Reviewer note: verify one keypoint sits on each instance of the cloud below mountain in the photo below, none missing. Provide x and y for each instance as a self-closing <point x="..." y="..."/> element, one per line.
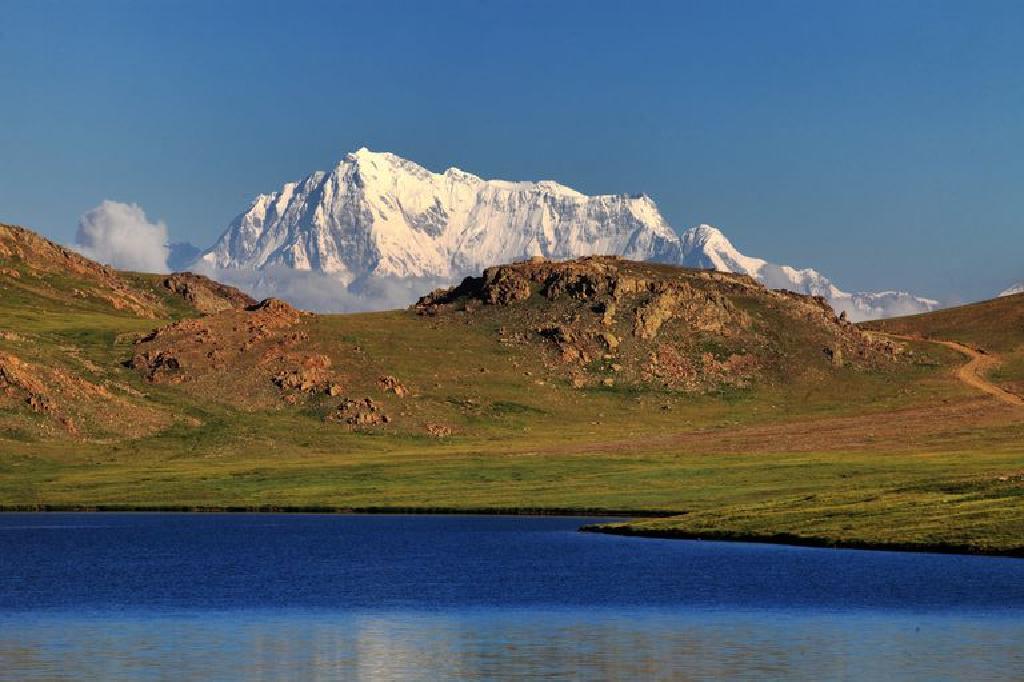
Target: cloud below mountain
<point x="322" y="292"/>
<point x="121" y="235"/>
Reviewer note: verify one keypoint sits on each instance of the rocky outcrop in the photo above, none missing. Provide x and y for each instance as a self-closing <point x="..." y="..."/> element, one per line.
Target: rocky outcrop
<point x="274" y="312"/>
<point x="74" y="405"/>
<point x="656" y="312"/>
<point x="358" y="413"/>
<point x="206" y="295"/>
<point x="310" y="375"/>
<point x="641" y="322"/>
<point x="390" y="384"/>
<point x="438" y="430"/>
<point x="503" y="286"/>
<point x="20" y="380"/>
<point x="676" y="370"/>
<point x="507" y="284"/>
<point x="158" y="366"/>
<point x="248" y="357"/>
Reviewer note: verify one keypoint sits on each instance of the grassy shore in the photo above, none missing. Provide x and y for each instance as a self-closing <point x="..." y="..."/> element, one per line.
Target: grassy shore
<point x="957" y="487"/>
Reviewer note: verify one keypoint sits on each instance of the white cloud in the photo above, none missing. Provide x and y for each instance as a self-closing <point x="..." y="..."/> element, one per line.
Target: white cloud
<point x="120" y="235"/>
<point x="322" y="293"/>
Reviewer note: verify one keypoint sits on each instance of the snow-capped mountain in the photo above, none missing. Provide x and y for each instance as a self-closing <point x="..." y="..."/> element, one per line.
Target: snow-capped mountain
<point x="355" y="237"/>
<point x="1015" y="289"/>
<point x="378" y="214"/>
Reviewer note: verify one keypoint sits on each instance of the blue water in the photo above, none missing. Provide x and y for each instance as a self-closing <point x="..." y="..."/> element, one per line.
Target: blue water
<point x="238" y="596"/>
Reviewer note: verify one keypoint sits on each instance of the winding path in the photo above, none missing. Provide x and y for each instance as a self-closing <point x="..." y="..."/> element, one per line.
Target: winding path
<point x="973" y="372"/>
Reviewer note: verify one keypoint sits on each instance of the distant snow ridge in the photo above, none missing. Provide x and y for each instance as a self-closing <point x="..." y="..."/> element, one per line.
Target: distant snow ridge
<point x="357" y="236"/>
<point x="1015" y="289"/>
<point x="706" y="247"/>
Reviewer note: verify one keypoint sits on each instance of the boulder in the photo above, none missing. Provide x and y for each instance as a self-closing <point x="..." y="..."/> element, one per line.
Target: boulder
<point x="358" y="413"/>
<point x="390" y="384"/>
<point x="438" y="430"/>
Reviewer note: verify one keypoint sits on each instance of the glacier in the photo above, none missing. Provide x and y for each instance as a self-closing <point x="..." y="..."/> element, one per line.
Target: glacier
<point x="367" y="233"/>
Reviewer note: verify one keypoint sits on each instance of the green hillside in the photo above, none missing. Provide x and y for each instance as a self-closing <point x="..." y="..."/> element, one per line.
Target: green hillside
<point x="592" y="384"/>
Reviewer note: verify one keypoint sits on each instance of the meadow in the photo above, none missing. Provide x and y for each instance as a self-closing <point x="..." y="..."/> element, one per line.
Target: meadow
<point x="917" y="460"/>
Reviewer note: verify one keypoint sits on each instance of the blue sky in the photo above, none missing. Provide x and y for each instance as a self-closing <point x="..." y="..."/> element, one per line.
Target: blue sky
<point x="879" y="142"/>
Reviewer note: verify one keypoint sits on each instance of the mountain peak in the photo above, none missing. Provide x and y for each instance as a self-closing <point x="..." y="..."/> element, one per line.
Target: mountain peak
<point x="380" y="216"/>
<point x="705" y="233"/>
<point x="366" y="157"/>
<point x="366" y="153"/>
<point x="709" y="230"/>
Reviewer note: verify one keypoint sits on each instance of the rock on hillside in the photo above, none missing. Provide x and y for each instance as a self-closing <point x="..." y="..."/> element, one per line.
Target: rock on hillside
<point x="56" y="400"/>
<point x="252" y="357"/>
<point x="606" y="321"/>
<point x="206" y="295"/>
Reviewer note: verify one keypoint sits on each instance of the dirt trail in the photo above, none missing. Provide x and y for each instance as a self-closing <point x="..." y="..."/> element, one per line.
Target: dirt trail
<point x="973" y="373"/>
<point x="905" y="427"/>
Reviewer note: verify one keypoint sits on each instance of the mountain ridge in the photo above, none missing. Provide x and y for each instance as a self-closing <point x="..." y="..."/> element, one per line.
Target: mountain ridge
<point x="376" y="213"/>
<point x="378" y="216"/>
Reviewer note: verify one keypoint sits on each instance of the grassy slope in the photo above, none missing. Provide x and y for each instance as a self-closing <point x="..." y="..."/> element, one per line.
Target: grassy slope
<point x="553" y="447"/>
<point x="996" y="326"/>
<point x="857" y="459"/>
<point x="58" y="324"/>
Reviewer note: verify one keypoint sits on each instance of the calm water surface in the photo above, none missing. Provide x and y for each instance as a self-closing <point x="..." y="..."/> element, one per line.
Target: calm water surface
<point x="188" y="596"/>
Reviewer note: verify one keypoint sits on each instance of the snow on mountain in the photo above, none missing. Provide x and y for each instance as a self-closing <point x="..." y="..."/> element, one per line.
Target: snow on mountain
<point x="707" y="247"/>
<point x="378" y="214"/>
<point x="376" y="226"/>
<point x="1015" y="289"/>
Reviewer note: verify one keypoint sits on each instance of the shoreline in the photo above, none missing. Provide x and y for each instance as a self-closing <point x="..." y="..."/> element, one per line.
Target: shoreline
<point x="328" y="509"/>
<point x="785" y="539"/>
<point x="791" y="540"/>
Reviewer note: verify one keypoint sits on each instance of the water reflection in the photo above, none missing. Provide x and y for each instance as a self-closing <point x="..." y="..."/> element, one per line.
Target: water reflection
<point x="503" y="643"/>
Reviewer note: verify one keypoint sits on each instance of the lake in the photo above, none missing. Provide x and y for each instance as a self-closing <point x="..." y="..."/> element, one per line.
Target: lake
<point x="280" y="596"/>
